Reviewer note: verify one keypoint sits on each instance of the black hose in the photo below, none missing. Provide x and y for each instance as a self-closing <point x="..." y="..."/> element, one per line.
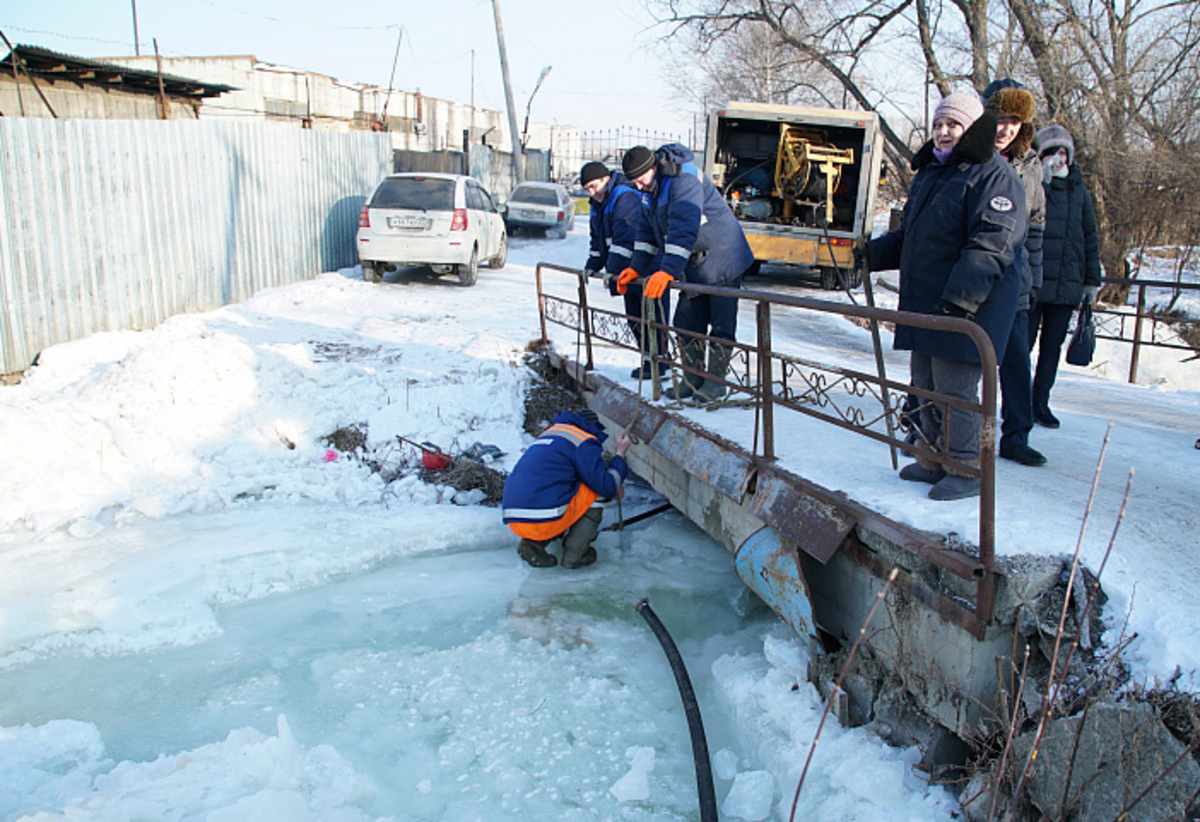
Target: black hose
<point x="704" y="779"/>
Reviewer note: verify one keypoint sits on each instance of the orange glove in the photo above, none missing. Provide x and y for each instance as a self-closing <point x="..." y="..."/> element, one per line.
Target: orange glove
<point x="657" y="284"/>
<point x="624" y="279"/>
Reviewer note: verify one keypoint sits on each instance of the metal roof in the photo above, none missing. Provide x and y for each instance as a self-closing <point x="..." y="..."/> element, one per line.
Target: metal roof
<point x="45" y="64"/>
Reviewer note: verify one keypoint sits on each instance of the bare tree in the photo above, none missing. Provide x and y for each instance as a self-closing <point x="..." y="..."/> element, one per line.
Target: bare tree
<point x="1122" y="75"/>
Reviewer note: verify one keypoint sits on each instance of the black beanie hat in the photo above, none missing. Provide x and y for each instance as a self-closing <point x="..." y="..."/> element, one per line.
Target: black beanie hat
<point x="637" y="161"/>
<point x="592" y="171"/>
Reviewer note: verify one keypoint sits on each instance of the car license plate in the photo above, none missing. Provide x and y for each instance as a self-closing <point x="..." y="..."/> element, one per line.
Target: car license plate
<point x="408" y="222"/>
<point x="535" y="215"/>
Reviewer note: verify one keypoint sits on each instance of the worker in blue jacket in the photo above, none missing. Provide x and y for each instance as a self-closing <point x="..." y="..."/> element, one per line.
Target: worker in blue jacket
<point x="554" y="488"/>
<point x="690" y="225"/>
<point x="616" y="213"/>
<point x="963" y="225"/>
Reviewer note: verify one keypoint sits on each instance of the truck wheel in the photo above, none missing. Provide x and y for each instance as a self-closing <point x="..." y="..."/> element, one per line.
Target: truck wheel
<point x="468" y="274"/>
<point x="829" y="279"/>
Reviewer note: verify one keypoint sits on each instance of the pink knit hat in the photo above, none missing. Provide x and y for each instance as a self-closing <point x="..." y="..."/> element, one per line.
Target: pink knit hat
<point x="961" y="107"/>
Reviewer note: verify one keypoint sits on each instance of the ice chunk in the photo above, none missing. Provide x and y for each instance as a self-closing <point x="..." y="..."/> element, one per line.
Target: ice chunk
<point x="635" y="785"/>
<point x="751" y="796"/>
<point x="725" y="764"/>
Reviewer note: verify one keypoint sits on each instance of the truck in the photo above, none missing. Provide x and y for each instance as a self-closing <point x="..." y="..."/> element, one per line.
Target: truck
<point x="801" y="181"/>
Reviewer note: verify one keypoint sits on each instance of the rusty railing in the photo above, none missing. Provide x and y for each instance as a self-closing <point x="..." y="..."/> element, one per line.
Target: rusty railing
<point x="1108" y="316"/>
<point x="770" y="380"/>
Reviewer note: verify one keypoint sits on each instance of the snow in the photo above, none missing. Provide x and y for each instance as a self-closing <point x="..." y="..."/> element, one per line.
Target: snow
<point x="206" y="615"/>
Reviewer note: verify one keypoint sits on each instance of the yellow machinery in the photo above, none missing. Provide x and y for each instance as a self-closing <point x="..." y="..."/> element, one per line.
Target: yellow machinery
<point x="806" y="172"/>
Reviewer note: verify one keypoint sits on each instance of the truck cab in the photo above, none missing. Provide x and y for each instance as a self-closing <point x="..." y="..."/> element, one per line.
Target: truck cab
<point x="801" y="181"/>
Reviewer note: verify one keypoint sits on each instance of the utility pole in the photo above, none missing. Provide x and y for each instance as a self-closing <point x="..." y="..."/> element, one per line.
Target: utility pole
<point x="137" y="49"/>
<point x="518" y="151"/>
<point x="391" y="82"/>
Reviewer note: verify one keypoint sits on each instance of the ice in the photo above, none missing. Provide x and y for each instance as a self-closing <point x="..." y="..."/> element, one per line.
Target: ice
<point x="750" y="797"/>
<point x="205" y="618"/>
<point x="634" y="786"/>
<point x="725" y="764"/>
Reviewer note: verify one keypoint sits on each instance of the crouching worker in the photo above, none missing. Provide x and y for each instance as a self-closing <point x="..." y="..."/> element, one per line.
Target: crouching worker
<point x="556" y="487"/>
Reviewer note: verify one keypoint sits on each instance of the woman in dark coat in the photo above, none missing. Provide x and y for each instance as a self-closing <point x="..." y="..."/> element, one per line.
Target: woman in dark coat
<point x="963" y="222"/>
<point x="1071" y="262"/>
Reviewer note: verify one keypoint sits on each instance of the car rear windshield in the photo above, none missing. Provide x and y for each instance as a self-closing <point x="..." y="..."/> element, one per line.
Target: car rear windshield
<point x="537" y="196"/>
<point x="418" y="193"/>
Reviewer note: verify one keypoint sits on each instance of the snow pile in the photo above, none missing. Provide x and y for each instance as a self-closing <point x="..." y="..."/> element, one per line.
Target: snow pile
<point x="777" y="722"/>
<point x="248" y="776"/>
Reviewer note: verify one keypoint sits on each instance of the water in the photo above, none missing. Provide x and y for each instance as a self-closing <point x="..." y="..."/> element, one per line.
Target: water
<point x="462" y="685"/>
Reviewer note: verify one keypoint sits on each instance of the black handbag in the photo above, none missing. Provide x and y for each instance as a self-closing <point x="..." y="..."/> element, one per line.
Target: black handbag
<point x="1083" y="339"/>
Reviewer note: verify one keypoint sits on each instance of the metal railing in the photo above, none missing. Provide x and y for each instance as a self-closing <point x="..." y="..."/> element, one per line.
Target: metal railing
<point x="1108" y="316"/>
<point x="770" y="380"/>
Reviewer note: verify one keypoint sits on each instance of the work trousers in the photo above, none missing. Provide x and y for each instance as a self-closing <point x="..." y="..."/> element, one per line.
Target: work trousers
<point x="705" y="314"/>
<point x="1053" y="320"/>
<point x="579" y="537"/>
<point x="1016" y="385"/>
<point x="958" y="437"/>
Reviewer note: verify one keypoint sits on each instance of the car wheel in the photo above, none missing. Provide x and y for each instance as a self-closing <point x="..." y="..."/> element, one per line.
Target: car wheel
<point x="502" y="255"/>
<point x="468" y="274"/>
<point x="372" y="272"/>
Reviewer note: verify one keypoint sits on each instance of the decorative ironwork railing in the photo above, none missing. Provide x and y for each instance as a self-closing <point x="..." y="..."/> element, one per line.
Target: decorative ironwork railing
<point x="868" y="404"/>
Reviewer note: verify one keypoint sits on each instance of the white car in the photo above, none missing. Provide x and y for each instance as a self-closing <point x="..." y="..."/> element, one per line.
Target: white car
<point x="445" y="221"/>
<point x="542" y="207"/>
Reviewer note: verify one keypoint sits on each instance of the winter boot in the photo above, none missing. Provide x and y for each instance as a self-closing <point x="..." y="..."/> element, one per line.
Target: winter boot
<point x="577" y="544"/>
<point x="692" y="355"/>
<point x="1043" y="417"/>
<point x="644" y="372"/>
<point x="713" y="388"/>
<point x="916" y="472"/>
<point x="951" y="487"/>
<point x="535" y="554"/>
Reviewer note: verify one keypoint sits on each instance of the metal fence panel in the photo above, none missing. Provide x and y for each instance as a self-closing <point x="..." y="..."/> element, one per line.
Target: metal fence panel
<point x="108" y="225"/>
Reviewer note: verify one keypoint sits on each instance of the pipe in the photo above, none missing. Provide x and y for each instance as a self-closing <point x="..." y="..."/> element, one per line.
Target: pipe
<point x="771" y="569"/>
<point x="704" y="779"/>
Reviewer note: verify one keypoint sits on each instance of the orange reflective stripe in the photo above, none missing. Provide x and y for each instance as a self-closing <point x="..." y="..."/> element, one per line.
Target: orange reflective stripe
<point x="576" y="508"/>
<point x="572" y="432"/>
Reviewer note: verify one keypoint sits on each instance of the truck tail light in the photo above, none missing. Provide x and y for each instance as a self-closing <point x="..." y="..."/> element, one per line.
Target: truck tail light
<point x="364" y="217"/>
<point x="840" y="241"/>
<point x="459" y="223"/>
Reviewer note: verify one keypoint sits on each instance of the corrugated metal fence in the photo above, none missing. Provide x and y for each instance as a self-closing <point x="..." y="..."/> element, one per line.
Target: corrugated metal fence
<point x="117" y="224"/>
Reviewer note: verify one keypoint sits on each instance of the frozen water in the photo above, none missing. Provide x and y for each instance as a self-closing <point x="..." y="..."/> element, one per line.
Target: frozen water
<point x="634" y="786"/>
<point x="450" y="685"/>
<point x="751" y="796"/>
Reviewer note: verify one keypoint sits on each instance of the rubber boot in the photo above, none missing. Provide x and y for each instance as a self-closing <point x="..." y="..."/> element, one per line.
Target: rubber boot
<point x="713" y="388"/>
<point x="577" y="544"/>
<point x="535" y="554"/>
<point x="692" y="355"/>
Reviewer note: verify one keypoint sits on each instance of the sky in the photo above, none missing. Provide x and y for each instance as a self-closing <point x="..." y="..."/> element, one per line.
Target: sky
<point x="605" y="72"/>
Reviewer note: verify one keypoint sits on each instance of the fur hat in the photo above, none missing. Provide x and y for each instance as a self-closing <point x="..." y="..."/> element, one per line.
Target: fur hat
<point x="637" y="161"/>
<point x="1052" y="137"/>
<point x="593" y="171"/>
<point x="961" y="107"/>
<point x="1008" y="98"/>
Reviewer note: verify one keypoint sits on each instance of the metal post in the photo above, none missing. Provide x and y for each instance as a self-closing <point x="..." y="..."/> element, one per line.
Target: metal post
<point x="763" y="312"/>
<point x="1137" y="333"/>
